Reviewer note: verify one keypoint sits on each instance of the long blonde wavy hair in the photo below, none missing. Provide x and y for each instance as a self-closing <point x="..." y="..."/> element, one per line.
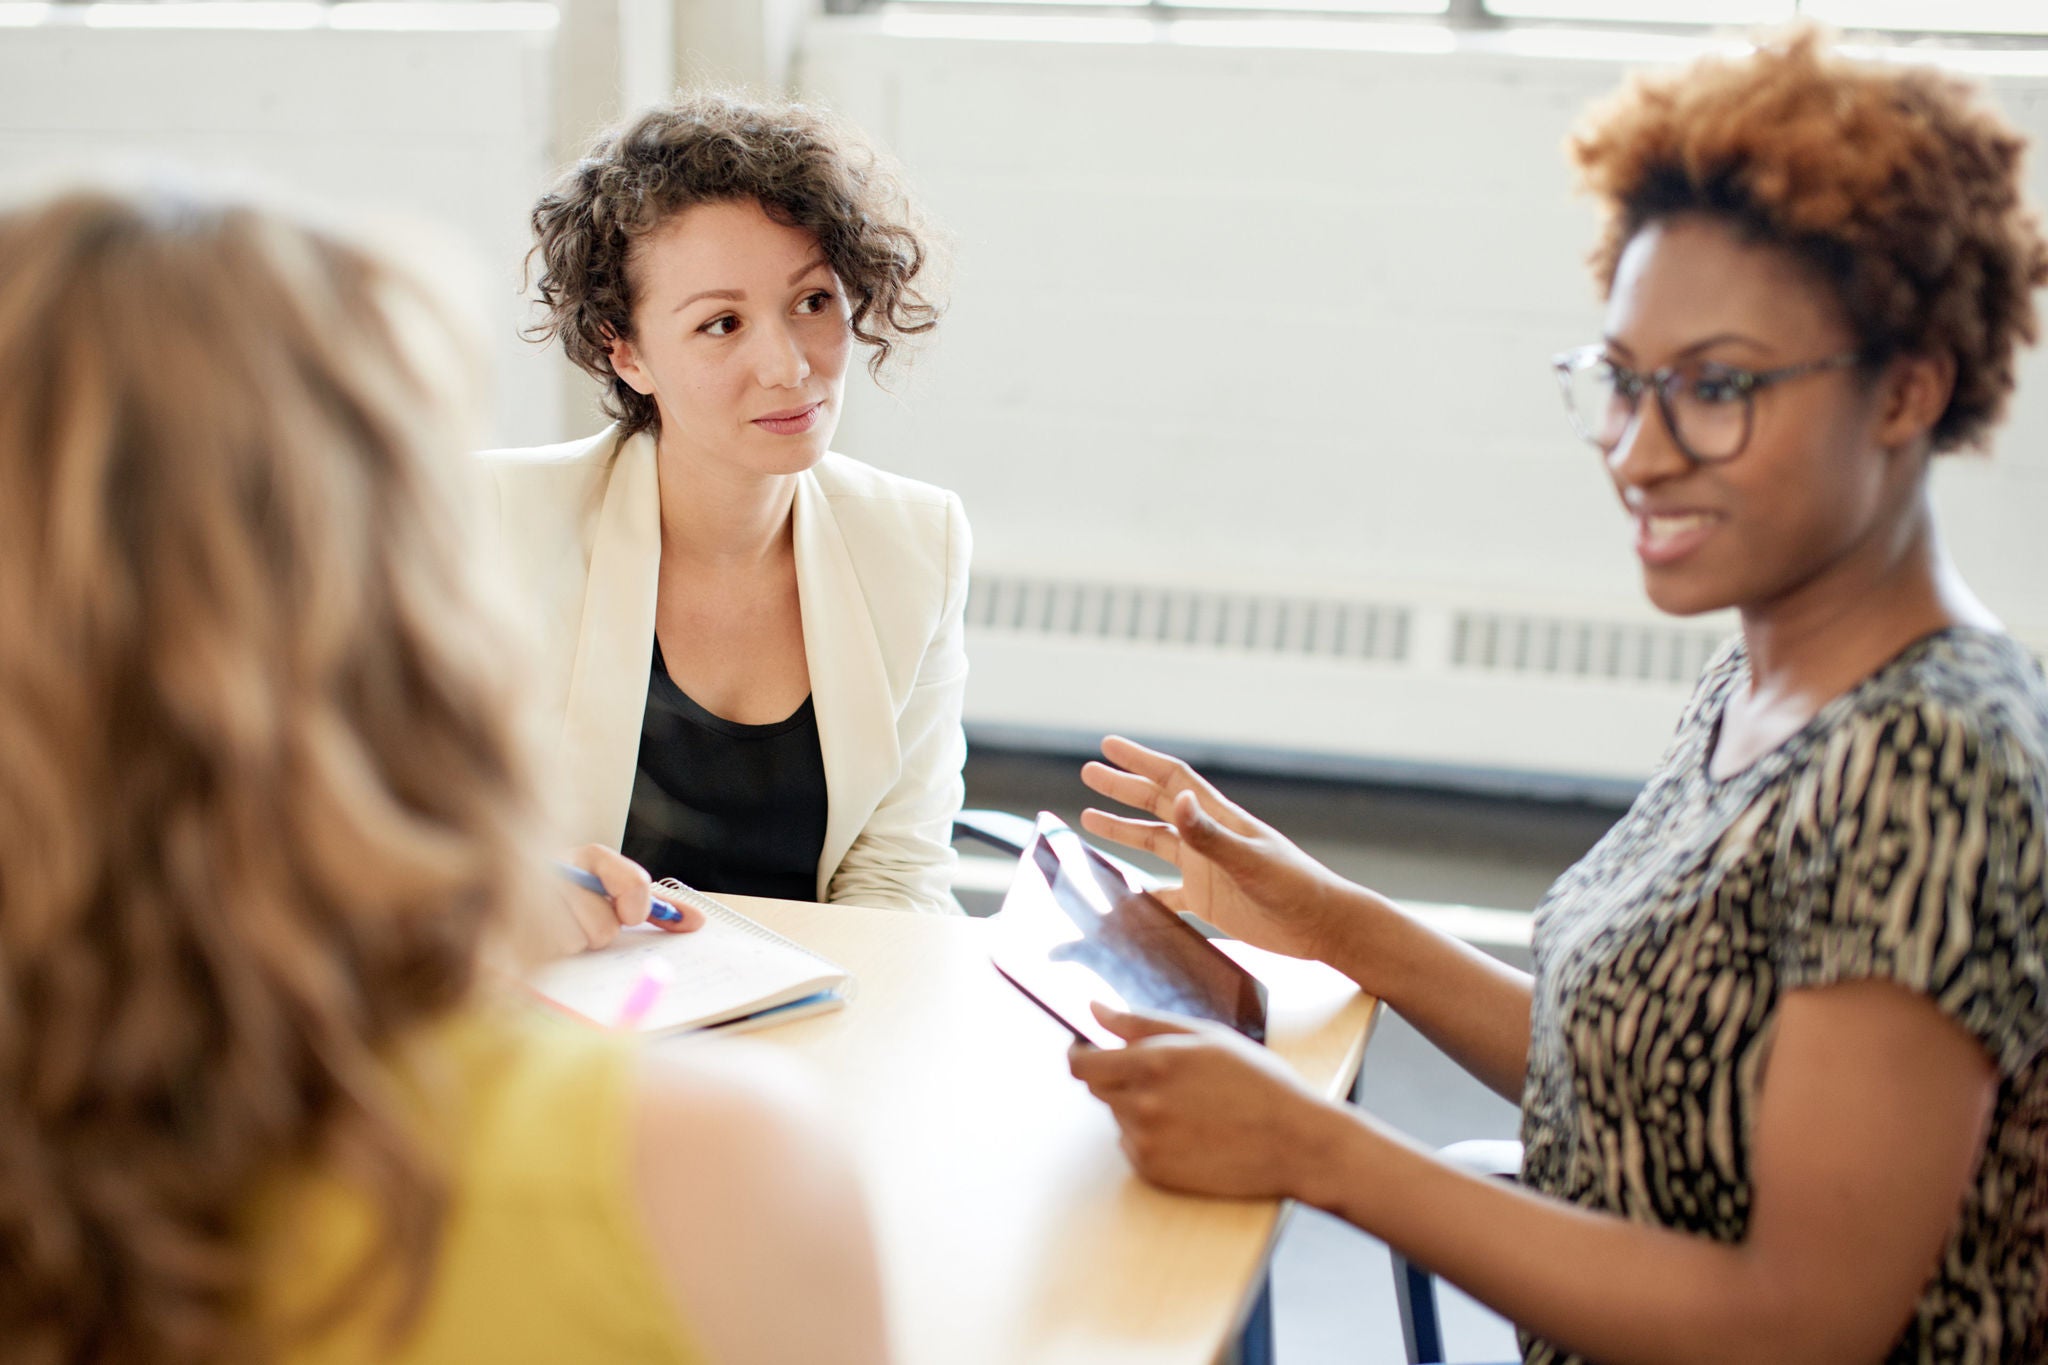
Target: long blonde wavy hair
<point x="263" y="785"/>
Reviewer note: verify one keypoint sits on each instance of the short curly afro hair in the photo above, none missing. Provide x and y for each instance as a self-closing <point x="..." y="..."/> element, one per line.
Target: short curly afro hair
<point x="803" y="167"/>
<point x="1897" y="183"/>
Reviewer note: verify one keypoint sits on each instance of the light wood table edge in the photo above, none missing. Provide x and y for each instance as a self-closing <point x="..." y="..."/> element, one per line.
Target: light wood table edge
<point x="869" y="940"/>
<point x="1339" y="1090"/>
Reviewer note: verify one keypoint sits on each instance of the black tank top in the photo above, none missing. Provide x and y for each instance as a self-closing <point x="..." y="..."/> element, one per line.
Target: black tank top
<point x="723" y="806"/>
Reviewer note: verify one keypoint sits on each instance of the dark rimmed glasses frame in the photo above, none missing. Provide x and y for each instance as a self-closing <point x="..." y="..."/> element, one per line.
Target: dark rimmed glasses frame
<point x="1709" y="408"/>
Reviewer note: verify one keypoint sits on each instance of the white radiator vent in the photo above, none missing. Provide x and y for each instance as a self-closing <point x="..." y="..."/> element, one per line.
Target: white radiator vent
<point x="1321" y="627"/>
<point x="1440" y="689"/>
<point x="1615" y="651"/>
<point x="1336" y="628"/>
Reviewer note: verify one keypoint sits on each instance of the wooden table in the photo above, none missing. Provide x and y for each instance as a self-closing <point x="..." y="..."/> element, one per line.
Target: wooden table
<point x="1010" y="1226"/>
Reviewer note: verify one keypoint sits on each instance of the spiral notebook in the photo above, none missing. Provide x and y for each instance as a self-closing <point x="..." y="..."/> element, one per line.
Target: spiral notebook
<point x="732" y="974"/>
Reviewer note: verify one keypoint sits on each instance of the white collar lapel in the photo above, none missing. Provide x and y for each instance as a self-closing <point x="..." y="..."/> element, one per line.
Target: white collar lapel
<point x="614" y="647"/>
<point x="849" y="684"/>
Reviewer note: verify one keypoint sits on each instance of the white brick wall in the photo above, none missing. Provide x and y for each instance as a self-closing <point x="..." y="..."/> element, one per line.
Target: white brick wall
<point x="1280" y="318"/>
<point x="448" y="129"/>
<point x="1270" y="315"/>
<point x="1284" y="316"/>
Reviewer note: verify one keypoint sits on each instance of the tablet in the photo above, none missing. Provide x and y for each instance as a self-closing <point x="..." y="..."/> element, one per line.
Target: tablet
<point x="1073" y="929"/>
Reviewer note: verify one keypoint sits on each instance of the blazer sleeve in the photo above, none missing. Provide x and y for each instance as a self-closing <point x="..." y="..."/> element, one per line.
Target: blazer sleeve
<point x="903" y="857"/>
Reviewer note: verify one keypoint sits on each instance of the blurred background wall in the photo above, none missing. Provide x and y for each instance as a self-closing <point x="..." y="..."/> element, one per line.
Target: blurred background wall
<point x="1246" y="378"/>
<point x="1245" y="383"/>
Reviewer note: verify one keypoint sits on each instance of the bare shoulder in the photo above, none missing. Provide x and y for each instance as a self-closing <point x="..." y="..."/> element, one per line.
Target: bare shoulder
<point x="753" y="1207"/>
<point x="741" y="1100"/>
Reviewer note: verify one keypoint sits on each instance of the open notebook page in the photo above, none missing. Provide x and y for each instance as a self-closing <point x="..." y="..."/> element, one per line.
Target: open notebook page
<point x="729" y="968"/>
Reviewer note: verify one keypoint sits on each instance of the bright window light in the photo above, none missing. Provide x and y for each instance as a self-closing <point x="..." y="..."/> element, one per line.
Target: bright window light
<point x="411" y="15"/>
<point x="270" y="14"/>
<point x="1336" y="6"/>
<point x="1637" y="46"/>
<point x="1320" y="35"/>
<point x="424" y="15"/>
<point x="1939" y="16"/>
<point x="1990" y="17"/>
<point x="1649" y="11"/>
<point x="1983" y="62"/>
<point x="1108" y="5"/>
<point x="1350" y="6"/>
<point x="1025" y="28"/>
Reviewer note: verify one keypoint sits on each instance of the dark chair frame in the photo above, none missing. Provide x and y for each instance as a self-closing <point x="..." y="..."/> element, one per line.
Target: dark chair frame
<point x="1422" y="1332"/>
<point x="999" y="829"/>
<point x="1012" y="834"/>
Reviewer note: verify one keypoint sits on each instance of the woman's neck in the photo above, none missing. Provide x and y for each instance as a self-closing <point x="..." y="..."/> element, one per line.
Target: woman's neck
<point x="720" y="516"/>
<point x="1822" y="638"/>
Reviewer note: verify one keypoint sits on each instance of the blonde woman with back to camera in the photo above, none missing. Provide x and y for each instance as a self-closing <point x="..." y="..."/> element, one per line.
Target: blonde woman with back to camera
<point x="753" y="645"/>
<point x="268" y="811"/>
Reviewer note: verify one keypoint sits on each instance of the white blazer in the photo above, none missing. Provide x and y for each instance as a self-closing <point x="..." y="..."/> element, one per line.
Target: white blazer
<point x="881" y="568"/>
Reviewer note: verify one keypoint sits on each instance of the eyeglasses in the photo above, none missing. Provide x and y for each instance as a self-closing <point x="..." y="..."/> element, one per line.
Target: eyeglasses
<point x="1708" y="408"/>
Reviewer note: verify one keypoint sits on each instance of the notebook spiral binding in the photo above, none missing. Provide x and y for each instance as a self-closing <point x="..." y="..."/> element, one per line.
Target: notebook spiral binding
<point x="677" y="893"/>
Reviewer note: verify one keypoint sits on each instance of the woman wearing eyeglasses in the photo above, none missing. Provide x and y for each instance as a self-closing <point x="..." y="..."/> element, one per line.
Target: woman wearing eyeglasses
<point x="1780" y="1061"/>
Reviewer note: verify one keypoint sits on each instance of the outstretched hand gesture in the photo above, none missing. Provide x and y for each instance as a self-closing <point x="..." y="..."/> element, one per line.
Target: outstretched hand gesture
<point x="1239" y="874"/>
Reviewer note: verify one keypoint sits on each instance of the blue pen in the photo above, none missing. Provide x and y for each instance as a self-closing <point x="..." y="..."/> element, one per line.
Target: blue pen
<point x="662" y="911"/>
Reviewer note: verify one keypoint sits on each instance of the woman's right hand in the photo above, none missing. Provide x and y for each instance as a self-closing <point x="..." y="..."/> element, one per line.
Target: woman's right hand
<point x="592" y="921"/>
<point x="1238" y="873"/>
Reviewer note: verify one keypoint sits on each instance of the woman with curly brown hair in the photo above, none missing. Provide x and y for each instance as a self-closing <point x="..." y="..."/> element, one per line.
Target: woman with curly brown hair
<point x="1781" y="1060"/>
<point x="268" y="806"/>
<point x="754" y="643"/>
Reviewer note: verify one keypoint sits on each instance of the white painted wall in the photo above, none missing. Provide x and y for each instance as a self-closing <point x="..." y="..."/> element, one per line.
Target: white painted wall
<point x="1270" y="314"/>
<point x="448" y="128"/>
<point x="1279" y="317"/>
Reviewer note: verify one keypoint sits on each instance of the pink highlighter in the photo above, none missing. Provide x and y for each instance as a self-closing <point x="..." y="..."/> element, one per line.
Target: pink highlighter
<point x="645" y="995"/>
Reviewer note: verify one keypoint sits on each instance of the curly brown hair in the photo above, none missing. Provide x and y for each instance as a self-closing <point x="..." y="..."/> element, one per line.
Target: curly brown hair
<point x="264" y="779"/>
<point x="804" y="168"/>
<point x="1897" y="183"/>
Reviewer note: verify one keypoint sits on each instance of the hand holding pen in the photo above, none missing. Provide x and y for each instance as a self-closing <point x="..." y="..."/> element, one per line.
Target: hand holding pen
<point x="614" y="891"/>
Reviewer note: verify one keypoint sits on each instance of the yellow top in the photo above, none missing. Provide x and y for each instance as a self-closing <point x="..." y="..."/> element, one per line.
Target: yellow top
<point x="544" y="1258"/>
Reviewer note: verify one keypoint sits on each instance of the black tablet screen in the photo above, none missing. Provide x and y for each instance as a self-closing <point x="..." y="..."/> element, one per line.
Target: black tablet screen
<point x="1073" y="929"/>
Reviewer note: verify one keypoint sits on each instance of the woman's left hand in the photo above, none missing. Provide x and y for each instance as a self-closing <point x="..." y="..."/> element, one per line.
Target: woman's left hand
<point x="1203" y="1109"/>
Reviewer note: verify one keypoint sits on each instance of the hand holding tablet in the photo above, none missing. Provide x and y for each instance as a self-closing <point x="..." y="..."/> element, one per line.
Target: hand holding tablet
<point x="1074" y="930"/>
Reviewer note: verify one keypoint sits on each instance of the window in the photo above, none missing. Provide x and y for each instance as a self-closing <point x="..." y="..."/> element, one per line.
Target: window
<point x="2011" y="19"/>
<point x="1649" y="11"/>
<point x="2017" y="17"/>
<point x="1408" y="7"/>
<point x="2023" y="17"/>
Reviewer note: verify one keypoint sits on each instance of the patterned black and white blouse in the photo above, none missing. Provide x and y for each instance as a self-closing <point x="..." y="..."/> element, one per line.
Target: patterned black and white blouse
<point x="1898" y="836"/>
